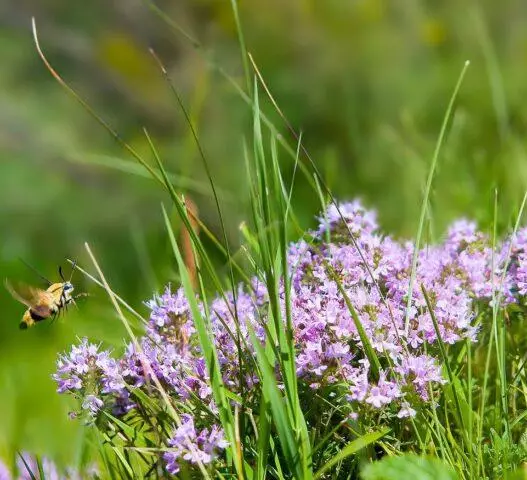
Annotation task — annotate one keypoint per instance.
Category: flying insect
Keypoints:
(43, 304)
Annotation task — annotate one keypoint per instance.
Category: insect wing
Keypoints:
(36, 299)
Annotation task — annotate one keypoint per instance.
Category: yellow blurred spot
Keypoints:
(225, 18)
(371, 10)
(433, 32)
(134, 66)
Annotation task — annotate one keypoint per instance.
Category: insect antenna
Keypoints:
(73, 265)
(34, 270)
(61, 274)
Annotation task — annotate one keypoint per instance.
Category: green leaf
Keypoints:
(131, 433)
(352, 448)
(209, 349)
(122, 459)
(409, 466)
(277, 405)
(264, 438)
(375, 364)
(446, 361)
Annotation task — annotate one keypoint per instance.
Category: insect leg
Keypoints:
(53, 318)
(72, 300)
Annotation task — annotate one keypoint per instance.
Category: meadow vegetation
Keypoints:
(320, 336)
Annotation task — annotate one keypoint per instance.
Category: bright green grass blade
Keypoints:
(120, 455)
(241, 41)
(428, 188)
(289, 214)
(350, 449)
(40, 468)
(264, 437)
(446, 361)
(270, 201)
(100, 445)
(133, 168)
(297, 465)
(209, 351)
(267, 221)
(205, 163)
(375, 364)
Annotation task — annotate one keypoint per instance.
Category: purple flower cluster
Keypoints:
(170, 319)
(346, 261)
(28, 469)
(167, 353)
(192, 446)
(90, 374)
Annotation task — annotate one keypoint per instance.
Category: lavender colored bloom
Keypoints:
(89, 372)
(189, 445)
(182, 371)
(521, 273)
(406, 411)
(5, 474)
(375, 272)
(92, 404)
(356, 218)
(170, 318)
(28, 469)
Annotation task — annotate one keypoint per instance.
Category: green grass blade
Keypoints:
(241, 41)
(281, 418)
(451, 376)
(350, 449)
(375, 364)
(428, 188)
(132, 168)
(120, 455)
(209, 350)
(264, 438)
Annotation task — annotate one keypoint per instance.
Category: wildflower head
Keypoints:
(90, 373)
(187, 444)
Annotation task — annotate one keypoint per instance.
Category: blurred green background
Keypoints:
(366, 81)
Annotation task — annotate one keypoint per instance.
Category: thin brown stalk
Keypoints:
(186, 242)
